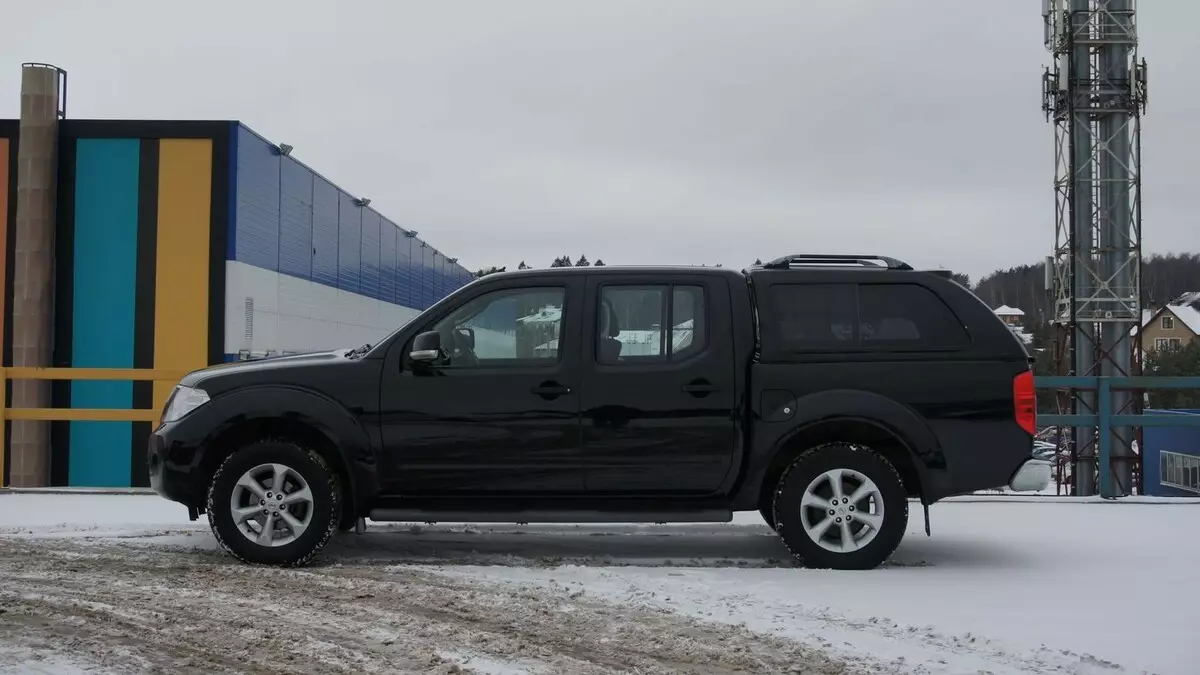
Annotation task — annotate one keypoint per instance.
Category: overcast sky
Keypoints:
(641, 131)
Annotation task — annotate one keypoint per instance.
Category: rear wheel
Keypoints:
(841, 507)
(274, 503)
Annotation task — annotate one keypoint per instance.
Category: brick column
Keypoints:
(33, 258)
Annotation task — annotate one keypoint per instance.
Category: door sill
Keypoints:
(547, 510)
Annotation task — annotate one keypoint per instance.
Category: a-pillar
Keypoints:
(33, 261)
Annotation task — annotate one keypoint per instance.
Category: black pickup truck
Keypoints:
(823, 392)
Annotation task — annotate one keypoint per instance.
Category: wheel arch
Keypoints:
(302, 417)
(857, 431)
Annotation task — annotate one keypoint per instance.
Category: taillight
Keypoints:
(1025, 402)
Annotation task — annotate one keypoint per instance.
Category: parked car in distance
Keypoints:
(822, 391)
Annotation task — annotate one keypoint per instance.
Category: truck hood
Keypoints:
(274, 366)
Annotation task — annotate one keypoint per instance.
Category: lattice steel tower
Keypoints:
(1095, 95)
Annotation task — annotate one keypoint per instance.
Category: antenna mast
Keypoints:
(1095, 94)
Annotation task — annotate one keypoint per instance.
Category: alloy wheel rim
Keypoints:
(842, 510)
(271, 505)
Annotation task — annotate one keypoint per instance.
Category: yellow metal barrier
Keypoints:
(79, 414)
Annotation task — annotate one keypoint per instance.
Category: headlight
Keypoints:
(183, 401)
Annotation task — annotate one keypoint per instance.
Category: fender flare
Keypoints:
(313, 409)
(856, 406)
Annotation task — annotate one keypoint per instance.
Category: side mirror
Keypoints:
(426, 348)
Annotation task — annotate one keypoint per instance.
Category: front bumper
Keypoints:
(1033, 476)
(175, 461)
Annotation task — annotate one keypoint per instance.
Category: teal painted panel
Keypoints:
(105, 276)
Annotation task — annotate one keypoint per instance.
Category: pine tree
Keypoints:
(582, 262)
(522, 266)
(1178, 362)
(599, 263)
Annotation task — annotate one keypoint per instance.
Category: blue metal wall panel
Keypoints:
(231, 203)
(1182, 440)
(423, 257)
(105, 277)
(370, 254)
(430, 278)
(435, 273)
(349, 244)
(387, 260)
(257, 202)
(416, 273)
(439, 276)
(295, 219)
(325, 232)
(404, 272)
(286, 218)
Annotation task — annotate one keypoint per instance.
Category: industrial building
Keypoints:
(181, 244)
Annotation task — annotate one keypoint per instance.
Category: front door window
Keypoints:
(512, 327)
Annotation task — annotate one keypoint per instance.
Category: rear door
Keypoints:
(658, 404)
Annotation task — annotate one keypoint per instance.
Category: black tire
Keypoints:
(802, 473)
(325, 503)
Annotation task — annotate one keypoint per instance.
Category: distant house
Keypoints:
(1010, 315)
(1014, 318)
(1172, 326)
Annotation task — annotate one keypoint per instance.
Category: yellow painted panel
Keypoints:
(182, 260)
(3, 265)
(82, 415)
(76, 374)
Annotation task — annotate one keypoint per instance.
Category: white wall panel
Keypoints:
(295, 315)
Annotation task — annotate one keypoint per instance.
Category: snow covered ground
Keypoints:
(1005, 585)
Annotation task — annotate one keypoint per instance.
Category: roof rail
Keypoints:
(823, 259)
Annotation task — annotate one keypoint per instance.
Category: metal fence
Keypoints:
(78, 414)
(1105, 420)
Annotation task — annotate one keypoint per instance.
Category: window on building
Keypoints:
(633, 322)
(1168, 323)
(1167, 344)
(824, 317)
(1181, 471)
(510, 327)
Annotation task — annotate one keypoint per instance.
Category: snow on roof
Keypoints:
(1187, 309)
(1005, 310)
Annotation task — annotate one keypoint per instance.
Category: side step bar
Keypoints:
(415, 515)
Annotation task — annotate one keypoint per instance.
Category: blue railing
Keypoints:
(1104, 420)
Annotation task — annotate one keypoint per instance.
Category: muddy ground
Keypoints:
(107, 606)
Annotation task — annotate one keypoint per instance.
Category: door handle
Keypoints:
(699, 388)
(550, 390)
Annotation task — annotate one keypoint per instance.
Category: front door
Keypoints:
(659, 399)
(500, 414)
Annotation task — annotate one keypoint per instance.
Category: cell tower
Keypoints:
(1095, 94)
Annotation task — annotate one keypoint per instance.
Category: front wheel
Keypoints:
(841, 507)
(274, 503)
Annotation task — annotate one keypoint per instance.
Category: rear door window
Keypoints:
(907, 316)
(814, 317)
(860, 317)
